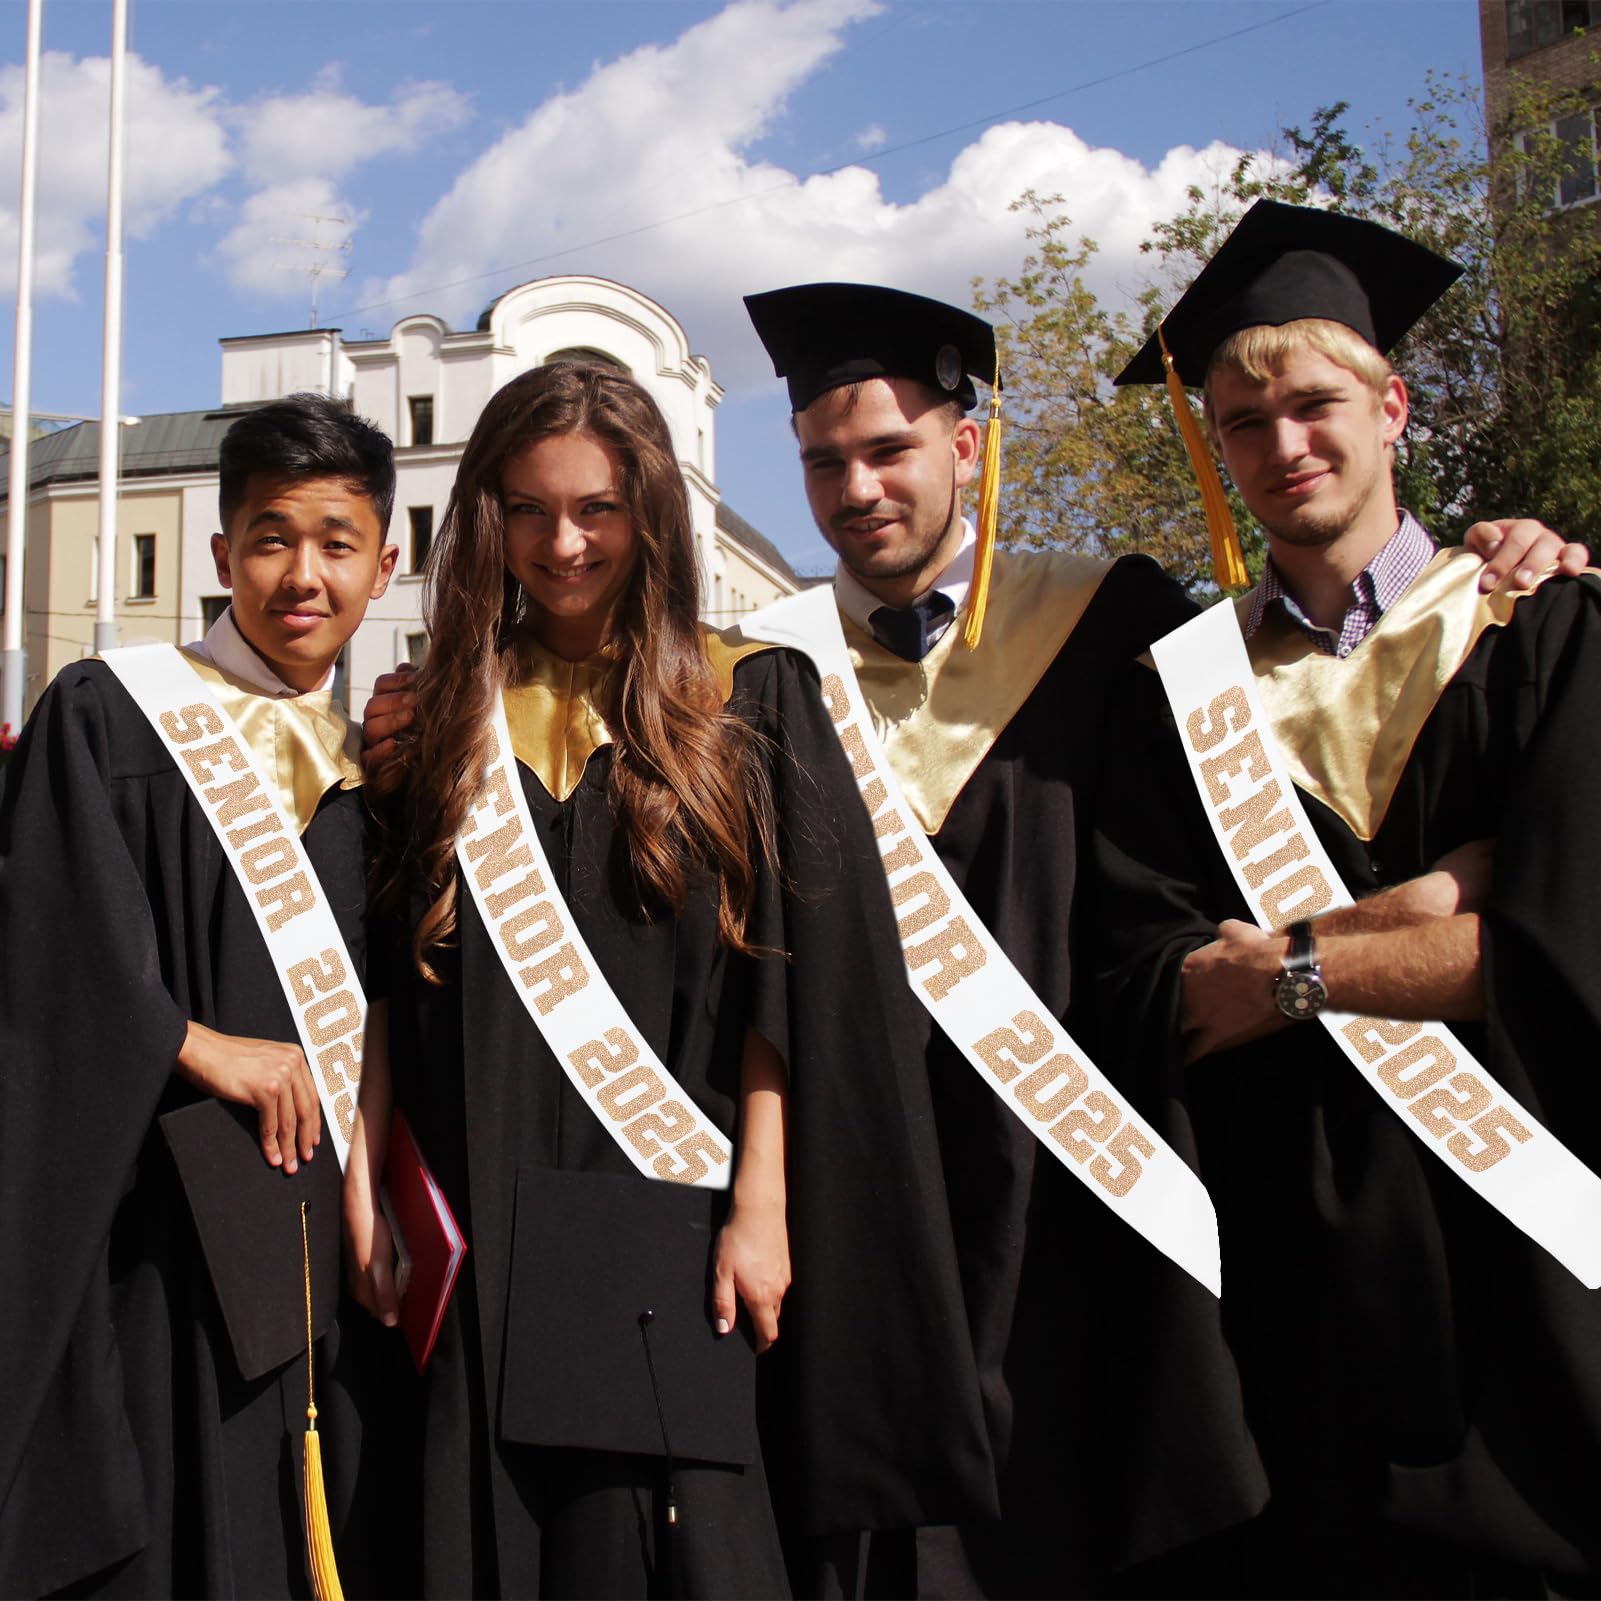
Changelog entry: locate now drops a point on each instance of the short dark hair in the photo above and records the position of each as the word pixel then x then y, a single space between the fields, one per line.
pixel 307 436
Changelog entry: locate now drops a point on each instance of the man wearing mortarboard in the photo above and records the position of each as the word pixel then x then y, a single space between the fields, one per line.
pixel 1112 1412
pixel 1351 835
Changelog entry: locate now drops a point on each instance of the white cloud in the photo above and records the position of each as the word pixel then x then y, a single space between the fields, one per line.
pixel 327 132
pixel 665 133
pixel 176 149
pixel 278 236
pixel 182 142
pixel 872 137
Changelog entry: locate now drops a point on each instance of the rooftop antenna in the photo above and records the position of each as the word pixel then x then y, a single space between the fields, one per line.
pixel 319 266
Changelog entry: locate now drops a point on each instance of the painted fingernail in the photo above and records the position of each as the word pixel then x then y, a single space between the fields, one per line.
pixel 1525 575
pixel 722 1325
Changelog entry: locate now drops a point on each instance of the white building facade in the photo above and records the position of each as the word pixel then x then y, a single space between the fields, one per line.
pixel 425 386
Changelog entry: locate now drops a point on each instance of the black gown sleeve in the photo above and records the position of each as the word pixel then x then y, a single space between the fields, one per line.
pixel 88 1038
pixel 1536 1330
pixel 1160 889
pixel 872 1389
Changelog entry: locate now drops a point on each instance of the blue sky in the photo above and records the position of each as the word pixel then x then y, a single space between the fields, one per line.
pixel 695 151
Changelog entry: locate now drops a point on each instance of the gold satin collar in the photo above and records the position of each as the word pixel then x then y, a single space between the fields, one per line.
pixel 1347 726
pixel 939 717
pixel 553 716
pixel 305 744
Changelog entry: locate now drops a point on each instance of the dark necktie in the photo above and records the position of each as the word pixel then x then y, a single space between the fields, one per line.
pixel 913 631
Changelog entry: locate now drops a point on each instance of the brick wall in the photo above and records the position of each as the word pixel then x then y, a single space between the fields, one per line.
pixel 1568 64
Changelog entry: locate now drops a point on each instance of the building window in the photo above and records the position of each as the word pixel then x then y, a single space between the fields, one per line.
pixel 211 608
pixel 1579 140
pixel 144 567
pixel 1533 24
pixel 416 649
pixel 341 683
pixel 587 355
pixel 422 534
pixel 422 419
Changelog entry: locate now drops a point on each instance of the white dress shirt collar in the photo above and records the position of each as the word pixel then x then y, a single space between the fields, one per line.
pixel 859 603
pixel 226 648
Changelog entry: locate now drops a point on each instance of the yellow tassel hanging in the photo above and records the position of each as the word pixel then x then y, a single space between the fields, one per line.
pixel 1228 560
pixel 989 515
pixel 319 1537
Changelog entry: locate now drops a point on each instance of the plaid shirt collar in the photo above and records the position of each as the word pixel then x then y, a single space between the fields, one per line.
pixel 1376 589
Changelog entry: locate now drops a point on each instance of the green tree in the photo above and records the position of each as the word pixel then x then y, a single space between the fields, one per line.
pixel 1503 374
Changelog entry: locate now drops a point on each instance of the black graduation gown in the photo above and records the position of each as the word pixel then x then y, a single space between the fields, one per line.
pixel 144 1448
pixel 1112 1407
pixel 870 1404
pixel 1411 1361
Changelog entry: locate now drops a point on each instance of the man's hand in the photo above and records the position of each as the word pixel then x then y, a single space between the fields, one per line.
pixel 1516 550
pixel 390 710
pixel 1227 989
pixel 752 1260
pixel 266 1074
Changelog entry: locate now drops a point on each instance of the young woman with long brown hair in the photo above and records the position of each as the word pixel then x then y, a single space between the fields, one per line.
pixel 591 1411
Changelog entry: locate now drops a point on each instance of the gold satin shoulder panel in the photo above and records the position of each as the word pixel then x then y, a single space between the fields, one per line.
pixel 939 717
pixel 1347 727
pixel 305 744
pixel 726 648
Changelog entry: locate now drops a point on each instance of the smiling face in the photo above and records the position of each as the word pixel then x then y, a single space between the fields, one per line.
pixel 885 464
pixel 570 540
pixel 302 556
pixel 1309 448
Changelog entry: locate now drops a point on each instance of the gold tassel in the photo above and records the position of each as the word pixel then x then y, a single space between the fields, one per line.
pixel 1228 560
pixel 989 516
pixel 319 1537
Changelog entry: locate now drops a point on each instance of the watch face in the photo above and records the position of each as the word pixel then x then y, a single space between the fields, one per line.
pixel 1301 995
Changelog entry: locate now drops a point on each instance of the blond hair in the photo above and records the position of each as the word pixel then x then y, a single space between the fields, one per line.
pixel 1259 352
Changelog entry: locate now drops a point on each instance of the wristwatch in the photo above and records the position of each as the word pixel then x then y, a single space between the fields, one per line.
pixel 1299 991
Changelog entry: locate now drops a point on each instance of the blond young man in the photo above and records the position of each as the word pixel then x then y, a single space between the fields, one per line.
pixel 1418 1372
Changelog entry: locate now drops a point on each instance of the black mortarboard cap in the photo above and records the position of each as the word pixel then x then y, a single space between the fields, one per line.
pixel 247 1215
pixel 824 336
pixel 1283 263
pixel 610 1343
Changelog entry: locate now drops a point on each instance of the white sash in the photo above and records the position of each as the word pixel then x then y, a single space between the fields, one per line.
pixel 263 848
pixel 1420 1070
pixel 958 970
pixel 609 1061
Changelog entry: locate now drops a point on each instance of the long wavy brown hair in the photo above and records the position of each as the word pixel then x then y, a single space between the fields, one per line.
pixel 684 783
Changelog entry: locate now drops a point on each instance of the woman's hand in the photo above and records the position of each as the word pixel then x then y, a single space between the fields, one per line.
pixel 752 1257
pixel 369 1244
pixel 266 1074
pixel 752 1262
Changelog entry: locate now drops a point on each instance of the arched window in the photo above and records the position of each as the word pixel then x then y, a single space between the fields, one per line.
pixel 588 354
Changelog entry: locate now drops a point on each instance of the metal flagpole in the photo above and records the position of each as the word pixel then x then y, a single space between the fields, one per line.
pixel 16 656
pixel 111 348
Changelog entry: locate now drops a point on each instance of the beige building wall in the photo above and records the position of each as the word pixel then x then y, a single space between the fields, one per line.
pixel 741 583
pixel 63 523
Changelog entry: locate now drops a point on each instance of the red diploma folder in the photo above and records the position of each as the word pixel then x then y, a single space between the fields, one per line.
pixel 428 1241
